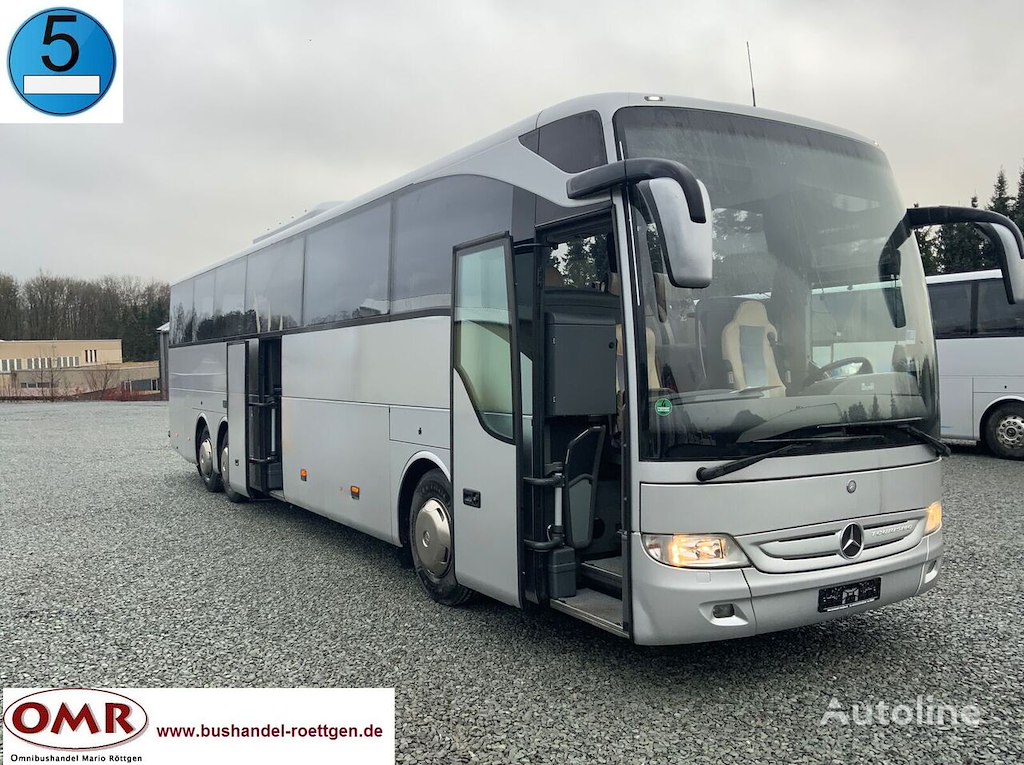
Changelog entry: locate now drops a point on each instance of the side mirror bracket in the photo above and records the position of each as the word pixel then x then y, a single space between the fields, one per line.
pixel 679 207
pixel 1000 230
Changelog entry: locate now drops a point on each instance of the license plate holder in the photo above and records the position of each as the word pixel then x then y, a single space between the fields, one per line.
pixel 846 595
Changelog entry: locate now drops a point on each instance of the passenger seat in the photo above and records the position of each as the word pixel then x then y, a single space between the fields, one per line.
pixel 747 349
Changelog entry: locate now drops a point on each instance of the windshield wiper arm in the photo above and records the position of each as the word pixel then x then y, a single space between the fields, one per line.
pixel 940 448
pixel 907 427
pixel 711 473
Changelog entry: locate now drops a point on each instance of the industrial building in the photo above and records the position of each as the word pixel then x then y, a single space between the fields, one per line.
pixel 70 369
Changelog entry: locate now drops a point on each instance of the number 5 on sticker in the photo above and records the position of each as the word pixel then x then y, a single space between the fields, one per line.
pixel 62 61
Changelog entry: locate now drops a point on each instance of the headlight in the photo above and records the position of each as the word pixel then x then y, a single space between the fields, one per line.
pixel 934 518
pixel 695 550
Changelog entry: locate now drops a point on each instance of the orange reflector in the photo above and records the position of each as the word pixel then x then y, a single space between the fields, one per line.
pixel 303 474
pixel 355 492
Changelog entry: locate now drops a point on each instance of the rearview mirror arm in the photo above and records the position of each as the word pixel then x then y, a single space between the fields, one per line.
pixel 626 171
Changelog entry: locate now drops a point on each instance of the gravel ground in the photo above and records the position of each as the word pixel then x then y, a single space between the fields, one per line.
pixel 118 569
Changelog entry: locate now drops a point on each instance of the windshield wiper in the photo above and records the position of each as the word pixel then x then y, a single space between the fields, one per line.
pixel 907 427
pixel 710 473
pixel 927 438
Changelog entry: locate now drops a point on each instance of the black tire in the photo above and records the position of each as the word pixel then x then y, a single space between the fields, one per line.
pixel 225 473
pixel 436 571
pixel 1004 431
pixel 211 478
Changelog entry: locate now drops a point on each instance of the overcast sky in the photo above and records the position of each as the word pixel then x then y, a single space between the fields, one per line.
pixel 239 116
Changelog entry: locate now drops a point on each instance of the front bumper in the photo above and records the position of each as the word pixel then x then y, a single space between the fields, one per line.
pixel 674 605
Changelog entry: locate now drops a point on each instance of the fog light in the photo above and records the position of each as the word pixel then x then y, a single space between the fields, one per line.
pixel 934 522
pixel 695 550
pixel 723 611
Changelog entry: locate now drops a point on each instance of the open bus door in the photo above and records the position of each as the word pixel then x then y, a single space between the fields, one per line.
pixel 254 415
pixel 486 416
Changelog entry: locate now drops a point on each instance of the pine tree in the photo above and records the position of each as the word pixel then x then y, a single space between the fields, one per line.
pixel 1018 205
pixel 1002 202
pixel 961 248
pixel 928 244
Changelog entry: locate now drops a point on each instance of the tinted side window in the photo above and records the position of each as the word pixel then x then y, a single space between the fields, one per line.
pixel 204 305
pixel 581 263
pixel 995 314
pixel 571 144
pixel 182 312
pixel 483 354
pixel 430 219
pixel 229 299
pixel 273 290
pixel 347 267
pixel 951 309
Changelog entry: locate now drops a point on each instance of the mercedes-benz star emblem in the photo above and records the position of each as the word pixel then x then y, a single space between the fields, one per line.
pixel 851 487
pixel 851 541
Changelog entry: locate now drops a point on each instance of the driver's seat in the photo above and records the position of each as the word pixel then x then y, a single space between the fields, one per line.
pixel 747 349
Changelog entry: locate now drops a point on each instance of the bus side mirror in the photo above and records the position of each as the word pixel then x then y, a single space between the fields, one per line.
pixel 685 242
pixel 678 203
pixel 1000 230
pixel 1011 257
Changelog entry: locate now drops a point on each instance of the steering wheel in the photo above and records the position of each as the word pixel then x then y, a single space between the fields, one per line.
pixel 822 373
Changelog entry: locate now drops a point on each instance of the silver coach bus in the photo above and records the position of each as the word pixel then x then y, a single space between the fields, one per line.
pixel 572 365
pixel 980 337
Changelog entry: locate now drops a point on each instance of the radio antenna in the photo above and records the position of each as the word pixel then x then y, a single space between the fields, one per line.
pixel 750 65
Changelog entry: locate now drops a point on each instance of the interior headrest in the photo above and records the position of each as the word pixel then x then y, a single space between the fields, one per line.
pixel 751 313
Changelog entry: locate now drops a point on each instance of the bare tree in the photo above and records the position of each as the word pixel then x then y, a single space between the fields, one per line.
pixel 69 308
pixel 100 377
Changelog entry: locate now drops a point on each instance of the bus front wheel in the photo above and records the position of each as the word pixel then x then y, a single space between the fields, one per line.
pixel 430 540
pixel 1004 431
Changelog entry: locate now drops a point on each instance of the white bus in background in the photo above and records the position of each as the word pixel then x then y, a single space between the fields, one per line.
pixel 591 363
pixel 980 339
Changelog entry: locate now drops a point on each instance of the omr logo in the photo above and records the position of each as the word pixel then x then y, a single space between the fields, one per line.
pixel 75 718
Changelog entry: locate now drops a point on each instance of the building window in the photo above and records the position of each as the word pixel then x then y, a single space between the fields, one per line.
pixel 76 361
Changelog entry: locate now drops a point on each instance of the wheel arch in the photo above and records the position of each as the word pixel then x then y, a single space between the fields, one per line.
pixel 415 468
pixel 991 409
pixel 201 422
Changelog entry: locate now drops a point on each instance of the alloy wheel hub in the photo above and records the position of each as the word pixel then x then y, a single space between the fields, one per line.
pixel 1011 432
pixel 433 537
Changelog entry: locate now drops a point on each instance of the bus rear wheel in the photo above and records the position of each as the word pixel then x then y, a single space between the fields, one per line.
pixel 225 473
pixel 430 540
pixel 1004 431
pixel 205 462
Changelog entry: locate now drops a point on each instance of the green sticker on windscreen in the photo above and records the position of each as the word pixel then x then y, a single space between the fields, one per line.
pixel 663 407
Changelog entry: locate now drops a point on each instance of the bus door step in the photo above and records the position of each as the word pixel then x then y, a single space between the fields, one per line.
pixel 595 608
pixel 604 574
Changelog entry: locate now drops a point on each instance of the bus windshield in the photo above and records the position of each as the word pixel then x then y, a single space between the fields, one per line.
pixel 816 319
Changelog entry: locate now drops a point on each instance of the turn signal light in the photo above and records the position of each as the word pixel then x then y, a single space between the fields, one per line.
pixel 934 522
pixel 355 492
pixel 303 475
